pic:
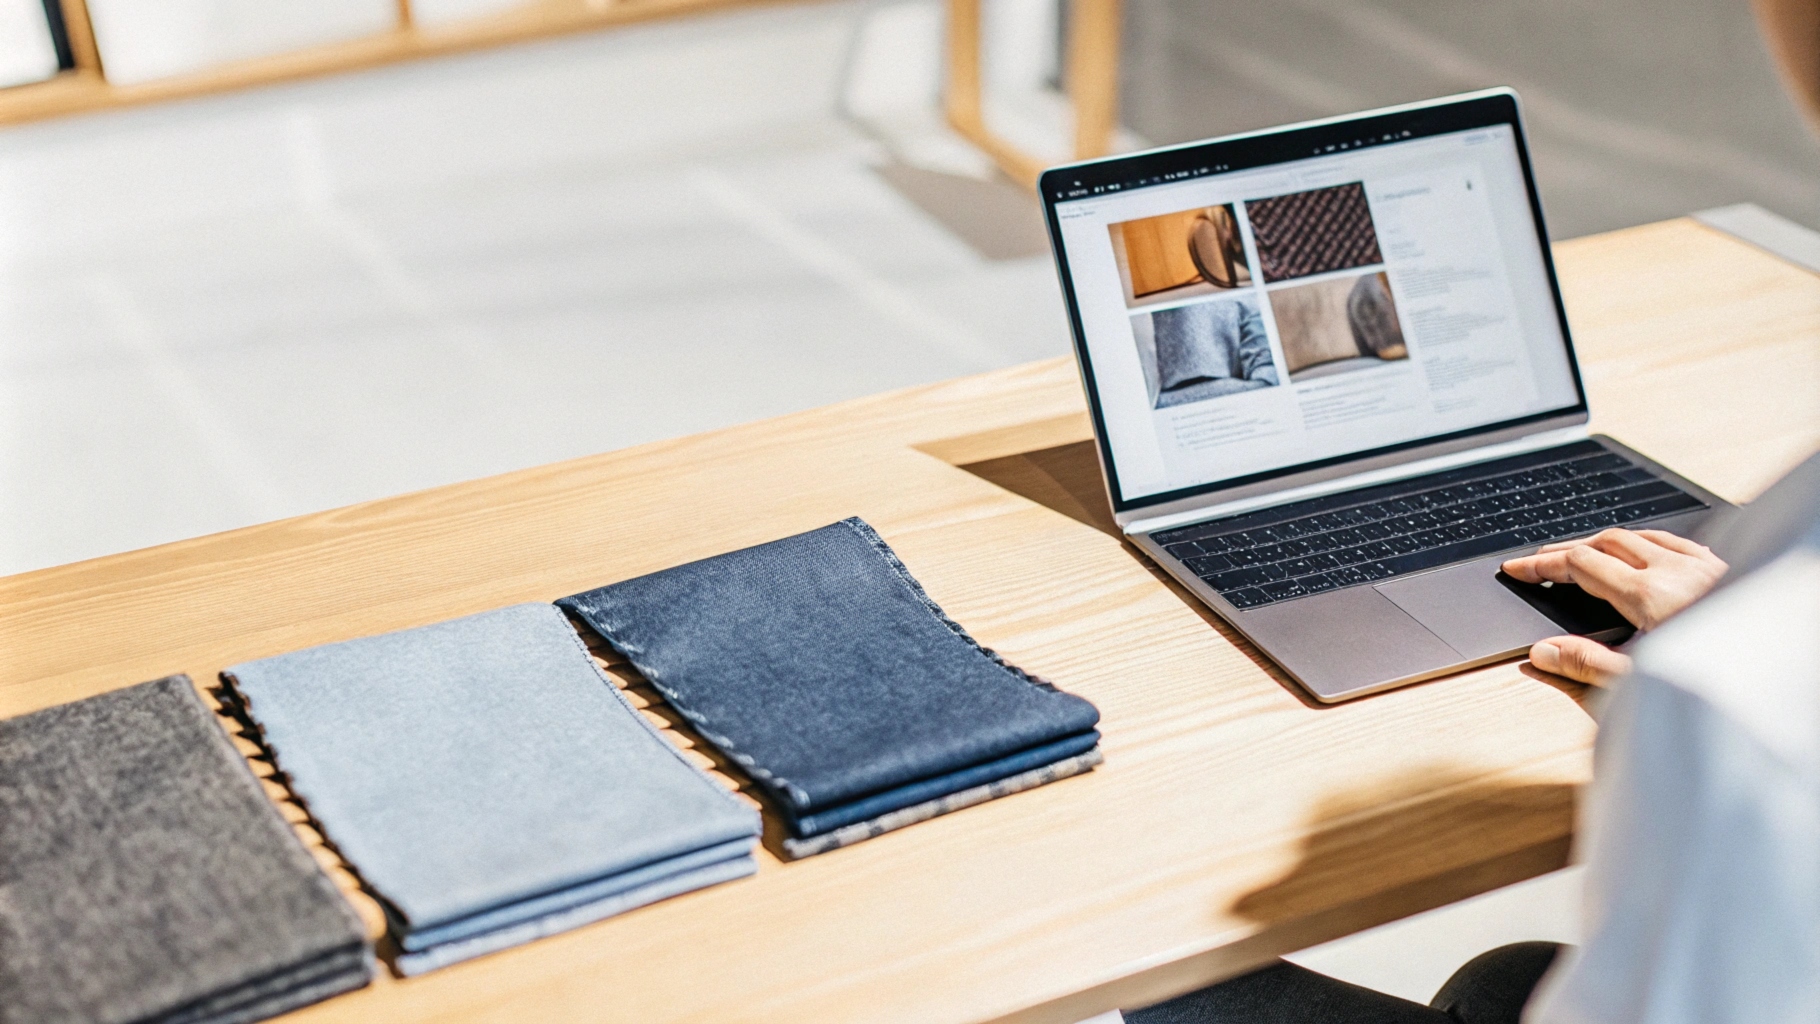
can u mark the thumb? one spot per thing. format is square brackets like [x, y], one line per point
[1579, 659]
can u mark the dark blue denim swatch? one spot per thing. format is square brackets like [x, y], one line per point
[942, 785]
[819, 665]
[489, 783]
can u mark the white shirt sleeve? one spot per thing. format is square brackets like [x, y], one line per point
[1701, 829]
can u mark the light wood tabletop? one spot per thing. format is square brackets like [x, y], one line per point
[1233, 820]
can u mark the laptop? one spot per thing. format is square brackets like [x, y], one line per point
[1332, 388]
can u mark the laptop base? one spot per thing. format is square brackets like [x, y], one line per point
[1347, 643]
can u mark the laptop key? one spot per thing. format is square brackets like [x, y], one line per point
[1205, 564]
[1294, 528]
[1235, 579]
[1246, 598]
[1250, 557]
[1601, 463]
[1416, 561]
[1282, 589]
[1272, 553]
[1317, 583]
[1408, 532]
[1677, 502]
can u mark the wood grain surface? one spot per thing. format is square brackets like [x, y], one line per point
[1233, 820]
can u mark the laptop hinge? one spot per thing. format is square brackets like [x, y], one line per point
[1389, 474]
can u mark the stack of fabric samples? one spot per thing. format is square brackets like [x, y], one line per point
[819, 665]
[146, 878]
[489, 784]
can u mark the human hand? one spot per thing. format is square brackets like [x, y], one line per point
[1647, 575]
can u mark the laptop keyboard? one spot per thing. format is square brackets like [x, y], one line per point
[1373, 534]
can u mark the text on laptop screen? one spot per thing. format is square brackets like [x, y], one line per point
[1247, 322]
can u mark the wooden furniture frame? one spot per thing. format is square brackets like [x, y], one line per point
[85, 88]
[1233, 821]
[1092, 64]
[1090, 71]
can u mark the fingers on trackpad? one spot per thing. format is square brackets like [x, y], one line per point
[1471, 610]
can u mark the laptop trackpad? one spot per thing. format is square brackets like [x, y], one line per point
[1573, 609]
[1466, 606]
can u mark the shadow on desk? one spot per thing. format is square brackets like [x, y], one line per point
[1393, 831]
[1066, 478]
[1375, 854]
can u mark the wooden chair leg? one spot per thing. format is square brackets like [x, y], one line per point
[1093, 75]
[1093, 79]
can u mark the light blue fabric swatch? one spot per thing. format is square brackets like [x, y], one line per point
[575, 896]
[488, 782]
[410, 964]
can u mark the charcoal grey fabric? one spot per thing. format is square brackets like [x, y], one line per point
[145, 876]
[488, 782]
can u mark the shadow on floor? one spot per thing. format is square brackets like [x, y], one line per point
[996, 218]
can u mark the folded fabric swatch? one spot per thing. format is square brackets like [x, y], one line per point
[819, 665]
[489, 783]
[146, 878]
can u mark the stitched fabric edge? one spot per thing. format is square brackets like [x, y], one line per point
[878, 545]
[594, 616]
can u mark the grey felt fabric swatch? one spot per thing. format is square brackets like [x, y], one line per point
[489, 783]
[146, 878]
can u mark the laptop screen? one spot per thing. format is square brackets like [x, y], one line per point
[1253, 307]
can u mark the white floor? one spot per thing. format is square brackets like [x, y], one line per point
[221, 312]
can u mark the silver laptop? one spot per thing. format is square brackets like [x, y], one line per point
[1332, 387]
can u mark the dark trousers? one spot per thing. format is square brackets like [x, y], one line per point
[1490, 989]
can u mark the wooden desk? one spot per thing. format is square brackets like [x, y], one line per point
[1232, 821]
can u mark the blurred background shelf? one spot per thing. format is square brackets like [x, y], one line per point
[414, 35]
